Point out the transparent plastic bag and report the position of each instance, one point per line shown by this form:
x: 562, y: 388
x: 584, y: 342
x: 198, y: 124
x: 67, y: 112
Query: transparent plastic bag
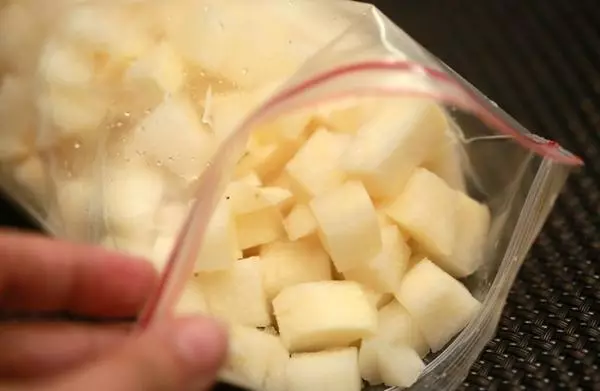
x: 146, y: 160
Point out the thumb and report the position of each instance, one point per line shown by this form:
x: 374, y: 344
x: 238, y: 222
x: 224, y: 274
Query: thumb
x: 179, y: 355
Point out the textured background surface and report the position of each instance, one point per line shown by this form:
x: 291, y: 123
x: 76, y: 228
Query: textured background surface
x: 540, y: 60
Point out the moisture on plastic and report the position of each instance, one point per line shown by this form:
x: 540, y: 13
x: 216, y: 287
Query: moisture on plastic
x: 127, y: 132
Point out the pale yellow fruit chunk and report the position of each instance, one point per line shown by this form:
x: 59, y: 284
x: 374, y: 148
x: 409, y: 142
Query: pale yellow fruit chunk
x: 220, y: 244
x: 426, y: 210
x: 225, y: 39
x: 348, y: 225
x: 258, y: 228
x: 384, y: 272
x: 75, y: 112
x: 368, y: 361
x: 107, y: 29
x: 447, y: 162
x: 237, y: 294
x: 173, y: 137
x: 273, y: 144
x: 131, y: 197
x: 315, y: 169
x: 351, y: 115
x: 395, y: 328
x: 191, y: 301
x: 226, y: 112
x: 289, y: 263
x: 63, y: 64
x: 472, y: 226
x: 387, y: 149
x: 256, y: 358
x: 440, y: 305
x: 321, y: 315
x: 399, y: 366
x: 300, y: 222
x: 245, y: 198
x: 333, y: 370
x: 159, y: 70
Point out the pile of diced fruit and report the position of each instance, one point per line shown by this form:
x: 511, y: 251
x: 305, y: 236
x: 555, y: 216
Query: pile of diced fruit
x: 335, y: 252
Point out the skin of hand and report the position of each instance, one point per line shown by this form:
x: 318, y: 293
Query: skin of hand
x: 40, y: 275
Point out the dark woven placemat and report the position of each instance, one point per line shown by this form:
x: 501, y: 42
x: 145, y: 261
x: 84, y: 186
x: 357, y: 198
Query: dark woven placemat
x: 540, y: 60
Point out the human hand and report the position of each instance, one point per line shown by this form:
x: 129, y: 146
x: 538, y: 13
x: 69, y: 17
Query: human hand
x: 43, y: 275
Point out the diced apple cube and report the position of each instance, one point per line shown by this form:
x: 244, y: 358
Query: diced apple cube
x: 384, y: 272
x: 386, y: 150
x: 191, y: 301
x: 399, y: 366
x: 426, y: 210
x: 300, y: 222
x: 258, y: 228
x: 220, y: 244
x: 289, y: 263
x: 227, y: 111
x: 348, y: 225
x: 173, y: 136
x: 473, y: 224
x: 62, y: 64
x: 159, y: 70
x: 131, y: 195
x: 439, y: 304
x: 278, y: 197
x: 368, y: 361
x: 75, y: 112
x: 396, y: 326
x: 268, y: 160
x: 108, y: 29
x: 290, y: 128
x: 396, y: 329
x: 245, y: 198
x: 315, y: 169
x: 349, y: 116
x: 321, y: 315
x: 252, y: 54
x: 333, y: 370
x: 447, y: 162
x: 257, y: 358
x: 237, y: 295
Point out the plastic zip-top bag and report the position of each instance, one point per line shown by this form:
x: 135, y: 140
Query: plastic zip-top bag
x: 304, y: 171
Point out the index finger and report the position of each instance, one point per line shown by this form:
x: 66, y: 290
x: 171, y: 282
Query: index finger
x: 41, y: 274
